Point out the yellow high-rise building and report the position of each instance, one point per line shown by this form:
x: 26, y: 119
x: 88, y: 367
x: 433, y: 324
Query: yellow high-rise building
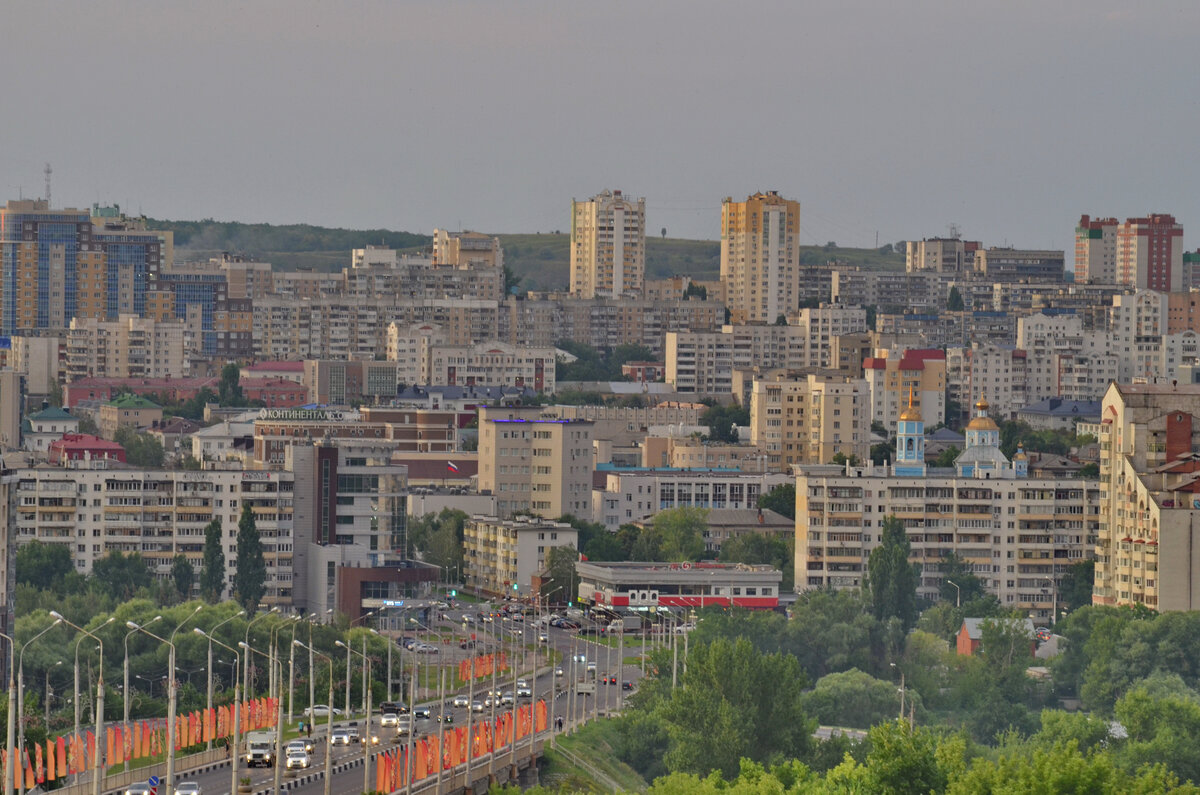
x: 608, y: 246
x: 760, y: 257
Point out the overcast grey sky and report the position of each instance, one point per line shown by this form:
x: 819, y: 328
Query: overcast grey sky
x: 897, y: 118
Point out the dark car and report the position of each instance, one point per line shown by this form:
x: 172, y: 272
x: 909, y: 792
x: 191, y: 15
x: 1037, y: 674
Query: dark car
x: 611, y: 680
x: 392, y: 706
x: 627, y: 685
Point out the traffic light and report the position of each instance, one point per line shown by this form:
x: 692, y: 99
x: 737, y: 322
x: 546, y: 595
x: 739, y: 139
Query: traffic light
x: 453, y: 592
x: 515, y: 586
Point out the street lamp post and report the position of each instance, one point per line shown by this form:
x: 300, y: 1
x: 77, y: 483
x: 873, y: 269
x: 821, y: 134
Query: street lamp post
x: 349, y: 666
x: 47, y: 690
x: 14, y: 762
x: 12, y: 713
x: 366, y: 739
x: 329, y: 738
x: 277, y: 689
x: 172, y: 695
x: 98, y: 774
x: 210, y: 661
x: 271, y: 662
x: 249, y: 660
x: 125, y: 715
x: 957, y: 593
x: 237, y: 707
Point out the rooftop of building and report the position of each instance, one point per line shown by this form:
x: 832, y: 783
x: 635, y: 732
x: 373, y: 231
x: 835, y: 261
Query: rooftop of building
x: 84, y: 441
x: 1063, y: 407
x: 741, y: 517
x: 276, y: 366
x: 131, y: 401
x: 52, y: 414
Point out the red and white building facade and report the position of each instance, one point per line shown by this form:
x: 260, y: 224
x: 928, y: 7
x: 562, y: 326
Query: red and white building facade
x: 1150, y: 253
x: 641, y: 586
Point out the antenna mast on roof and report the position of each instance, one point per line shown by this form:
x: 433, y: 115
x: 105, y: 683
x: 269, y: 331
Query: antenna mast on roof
x: 954, y: 233
x: 48, y: 171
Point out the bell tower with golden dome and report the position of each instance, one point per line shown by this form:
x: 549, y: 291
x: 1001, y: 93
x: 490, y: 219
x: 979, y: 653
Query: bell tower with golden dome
x: 982, y: 457
x: 910, y: 442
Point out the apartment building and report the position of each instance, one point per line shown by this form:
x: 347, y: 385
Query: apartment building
x: 999, y: 372
x: 131, y: 347
x: 681, y: 449
x: 93, y: 510
x: 704, y: 362
x: 760, y: 257
x: 12, y: 405
x: 1096, y: 250
x: 940, y: 255
x: 41, y: 360
x: 467, y: 250
x: 343, y: 382
x: 535, y: 462
x: 422, y: 356
x: 809, y: 419
x: 636, y: 495
x: 608, y: 246
x: 350, y: 527
x: 128, y: 410
x: 1150, y: 253
x: 911, y: 291
x: 1018, y: 534
x: 1007, y: 265
x: 56, y: 265
x: 947, y: 329
x: 901, y: 379
x: 502, y: 556
x: 1146, y: 552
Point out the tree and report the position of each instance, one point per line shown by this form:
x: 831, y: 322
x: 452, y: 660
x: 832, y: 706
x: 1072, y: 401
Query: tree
x: 841, y: 460
x: 954, y: 302
x: 852, y: 698
x: 249, y: 582
x: 681, y: 533
x: 1076, y: 588
x: 212, y: 575
x: 604, y: 547
x: 664, y: 233
x: 229, y: 391
x: 883, y: 452
x: 734, y: 702
x: 122, y: 575
x: 1090, y: 471
x: 954, y: 570
x: 781, y: 319
x: 722, y: 422
x: 560, y: 564
x: 892, y: 579
x: 184, y: 575
x: 762, y: 548
x: 43, y: 565
x: 141, y: 449
x: 781, y: 500
x: 947, y: 457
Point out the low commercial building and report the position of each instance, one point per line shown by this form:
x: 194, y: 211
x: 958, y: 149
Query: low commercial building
x: 638, y: 586
x: 630, y: 496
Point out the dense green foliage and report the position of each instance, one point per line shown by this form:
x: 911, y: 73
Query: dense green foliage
x: 270, y: 242
x: 212, y: 573
x: 781, y: 500
x: 438, y: 539
x: 141, y: 449
x: 594, y: 365
x: 892, y: 579
x: 183, y: 574
x: 769, y: 548
x: 721, y: 422
x: 1014, y: 433
x: 249, y: 581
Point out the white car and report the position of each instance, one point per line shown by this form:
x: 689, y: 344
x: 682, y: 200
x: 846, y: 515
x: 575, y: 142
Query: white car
x: 188, y: 788
x: 389, y: 720
x: 320, y: 711
x: 461, y: 701
x: 297, y: 759
x: 340, y: 736
x: 299, y: 745
x: 477, y: 706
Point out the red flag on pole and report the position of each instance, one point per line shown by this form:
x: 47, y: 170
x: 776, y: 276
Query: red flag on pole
x: 51, y: 768
x: 39, y: 764
x: 30, y: 778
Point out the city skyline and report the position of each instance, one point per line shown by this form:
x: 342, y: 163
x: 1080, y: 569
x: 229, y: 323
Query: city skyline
x: 1018, y: 121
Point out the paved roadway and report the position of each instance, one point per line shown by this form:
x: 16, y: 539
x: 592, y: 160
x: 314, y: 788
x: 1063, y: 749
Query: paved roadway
x: 561, y: 702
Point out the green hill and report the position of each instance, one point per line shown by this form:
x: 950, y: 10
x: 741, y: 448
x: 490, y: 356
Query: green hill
x: 541, y: 261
